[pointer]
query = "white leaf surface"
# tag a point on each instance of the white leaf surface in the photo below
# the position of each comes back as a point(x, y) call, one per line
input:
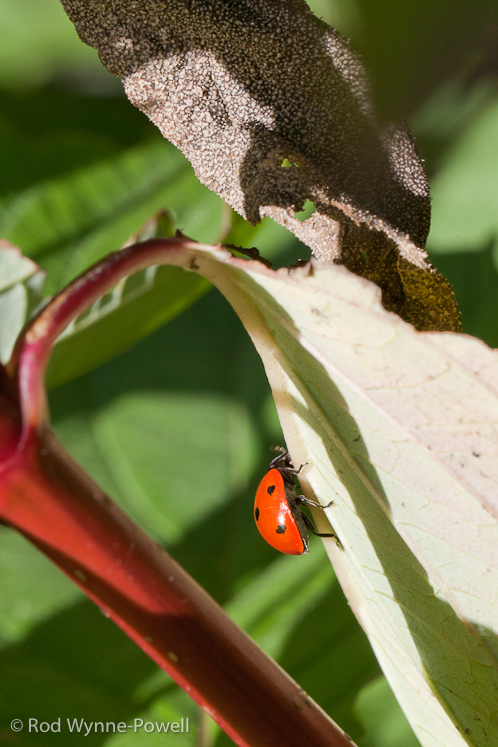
point(15, 268)
point(400, 429)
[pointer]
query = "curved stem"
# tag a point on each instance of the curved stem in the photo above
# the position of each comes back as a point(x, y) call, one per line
point(32, 350)
point(47, 497)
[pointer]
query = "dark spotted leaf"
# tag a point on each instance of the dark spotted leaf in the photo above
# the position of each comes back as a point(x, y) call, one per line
point(272, 108)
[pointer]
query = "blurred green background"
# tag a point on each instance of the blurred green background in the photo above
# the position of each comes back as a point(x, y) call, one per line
point(178, 428)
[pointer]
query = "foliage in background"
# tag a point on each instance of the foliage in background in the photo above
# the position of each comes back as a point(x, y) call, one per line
point(178, 429)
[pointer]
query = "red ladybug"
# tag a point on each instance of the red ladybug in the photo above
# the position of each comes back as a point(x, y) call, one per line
point(277, 509)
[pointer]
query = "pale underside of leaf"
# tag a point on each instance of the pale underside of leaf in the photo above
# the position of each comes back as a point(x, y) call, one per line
point(15, 269)
point(400, 429)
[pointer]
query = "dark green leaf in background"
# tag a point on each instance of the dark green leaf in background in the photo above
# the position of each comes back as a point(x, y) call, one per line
point(133, 310)
point(66, 224)
point(464, 192)
point(38, 46)
point(463, 241)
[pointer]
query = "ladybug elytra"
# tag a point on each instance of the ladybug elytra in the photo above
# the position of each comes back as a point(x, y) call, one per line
point(277, 509)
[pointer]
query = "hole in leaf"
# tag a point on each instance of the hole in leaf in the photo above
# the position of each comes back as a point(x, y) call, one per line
point(286, 164)
point(306, 212)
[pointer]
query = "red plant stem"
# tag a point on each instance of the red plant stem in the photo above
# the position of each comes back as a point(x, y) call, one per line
point(47, 497)
point(32, 351)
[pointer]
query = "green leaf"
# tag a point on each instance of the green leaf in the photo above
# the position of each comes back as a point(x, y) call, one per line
point(474, 277)
point(37, 41)
point(465, 190)
point(134, 309)
point(286, 600)
point(385, 725)
point(62, 669)
point(32, 588)
point(162, 715)
point(144, 424)
point(27, 160)
point(69, 223)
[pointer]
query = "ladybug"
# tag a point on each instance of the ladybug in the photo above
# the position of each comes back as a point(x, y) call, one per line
point(277, 509)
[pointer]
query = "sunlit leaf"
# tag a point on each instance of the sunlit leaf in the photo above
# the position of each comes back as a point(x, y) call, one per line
point(400, 430)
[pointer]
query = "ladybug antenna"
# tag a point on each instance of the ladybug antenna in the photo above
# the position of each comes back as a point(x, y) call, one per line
point(282, 449)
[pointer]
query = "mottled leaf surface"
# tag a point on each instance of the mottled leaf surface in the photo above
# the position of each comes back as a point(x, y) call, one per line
point(272, 108)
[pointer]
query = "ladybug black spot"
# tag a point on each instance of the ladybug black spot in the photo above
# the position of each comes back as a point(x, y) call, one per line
point(281, 529)
point(270, 489)
point(256, 514)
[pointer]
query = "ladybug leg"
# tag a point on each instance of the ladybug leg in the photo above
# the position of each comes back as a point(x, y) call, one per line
point(284, 456)
point(309, 525)
point(291, 470)
point(295, 471)
point(308, 502)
